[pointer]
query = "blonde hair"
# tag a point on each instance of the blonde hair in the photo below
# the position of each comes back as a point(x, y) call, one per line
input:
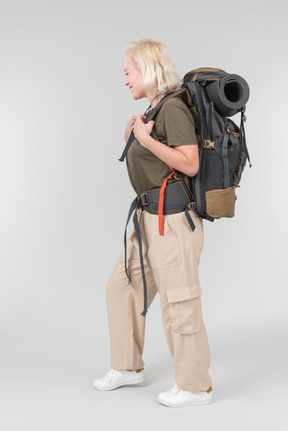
point(158, 70)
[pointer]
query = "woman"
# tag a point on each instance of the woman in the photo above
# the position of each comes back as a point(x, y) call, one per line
point(171, 249)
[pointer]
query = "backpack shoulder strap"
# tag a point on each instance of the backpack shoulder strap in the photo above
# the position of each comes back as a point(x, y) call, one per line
point(153, 112)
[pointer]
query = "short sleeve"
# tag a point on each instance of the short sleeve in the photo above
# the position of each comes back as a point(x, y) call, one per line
point(178, 123)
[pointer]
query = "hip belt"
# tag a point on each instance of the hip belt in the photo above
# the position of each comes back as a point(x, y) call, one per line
point(177, 199)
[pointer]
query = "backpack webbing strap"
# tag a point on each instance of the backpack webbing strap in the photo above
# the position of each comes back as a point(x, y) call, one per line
point(189, 219)
point(210, 131)
point(225, 160)
point(192, 205)
point(161, 201)
point(223, 153)
point(185, 187)
point(201, 182)
point(127, 146)
point(138, 233)
point(133, 208)
point(243, 137)
point(201, 111)
point(150, 113)
point(129, 143)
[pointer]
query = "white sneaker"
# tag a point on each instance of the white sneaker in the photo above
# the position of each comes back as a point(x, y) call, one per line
point(176, 397)
point(115, 378)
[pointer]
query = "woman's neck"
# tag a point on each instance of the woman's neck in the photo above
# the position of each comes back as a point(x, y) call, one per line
point(154, 100)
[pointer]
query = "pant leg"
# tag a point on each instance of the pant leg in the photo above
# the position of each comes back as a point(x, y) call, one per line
point(125, 302)
point(173, 260)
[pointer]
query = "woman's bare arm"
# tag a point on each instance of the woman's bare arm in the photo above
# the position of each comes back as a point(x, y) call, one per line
point(183, 158)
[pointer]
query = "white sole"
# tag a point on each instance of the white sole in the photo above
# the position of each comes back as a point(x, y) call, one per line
point(192, 403)
point(132, 382)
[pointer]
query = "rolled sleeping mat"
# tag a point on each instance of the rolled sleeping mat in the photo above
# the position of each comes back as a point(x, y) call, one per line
point(229, 94)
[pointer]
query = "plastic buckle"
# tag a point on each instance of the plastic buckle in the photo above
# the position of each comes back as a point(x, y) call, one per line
point(232, 132)
point(144, 199)
point(207, 143)
point(192, 206)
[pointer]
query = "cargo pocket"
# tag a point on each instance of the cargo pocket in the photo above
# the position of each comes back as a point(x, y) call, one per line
point(185, 309)
point(221, 203)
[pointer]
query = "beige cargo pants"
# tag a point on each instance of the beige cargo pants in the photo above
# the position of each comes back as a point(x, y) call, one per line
point(171, 268)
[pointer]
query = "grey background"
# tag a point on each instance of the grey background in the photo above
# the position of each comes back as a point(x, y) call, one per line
point(64, 199)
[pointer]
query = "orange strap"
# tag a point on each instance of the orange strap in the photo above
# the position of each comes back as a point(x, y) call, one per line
point(161, 201)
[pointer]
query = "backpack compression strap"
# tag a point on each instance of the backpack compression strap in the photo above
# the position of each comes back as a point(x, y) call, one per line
point(189, 195)
point(161, 201)
point(133, 209)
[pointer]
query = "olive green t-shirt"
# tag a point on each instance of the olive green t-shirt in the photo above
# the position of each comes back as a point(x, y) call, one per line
point(174, 125)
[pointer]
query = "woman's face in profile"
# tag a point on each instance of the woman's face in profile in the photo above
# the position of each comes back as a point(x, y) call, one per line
point(134, 79)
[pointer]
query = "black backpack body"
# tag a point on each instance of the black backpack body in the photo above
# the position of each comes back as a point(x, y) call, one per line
point(212, 96)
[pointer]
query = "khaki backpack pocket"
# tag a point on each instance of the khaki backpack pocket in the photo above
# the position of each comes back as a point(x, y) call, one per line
point(185, 309)
point(221, 202)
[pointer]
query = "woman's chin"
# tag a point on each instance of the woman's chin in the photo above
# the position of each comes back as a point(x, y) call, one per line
point(137, 96)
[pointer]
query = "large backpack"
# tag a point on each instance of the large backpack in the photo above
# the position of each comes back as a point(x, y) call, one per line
point(213, 95)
